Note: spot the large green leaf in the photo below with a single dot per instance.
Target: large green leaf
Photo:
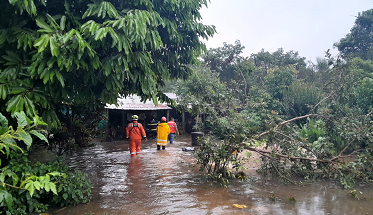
(21, 118)
(39, 135)
(6, 197)
(12, 58)
(3, 91)
(42, 42)
(30, 107)
(15, 104)
(4, 124)
(62, 22)
(54, 47)
(43, 25)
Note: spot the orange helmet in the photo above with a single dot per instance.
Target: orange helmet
(163, 119)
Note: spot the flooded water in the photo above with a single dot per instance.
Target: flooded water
(168, 182)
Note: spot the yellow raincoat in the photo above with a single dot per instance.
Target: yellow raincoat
(163, 130)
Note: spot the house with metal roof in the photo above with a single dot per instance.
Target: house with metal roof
(120, 115)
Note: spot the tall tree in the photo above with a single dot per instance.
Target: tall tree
(90, 51)
(232, 68)
(224, 60)
(265, 61)
(359, 42)
(279, 58)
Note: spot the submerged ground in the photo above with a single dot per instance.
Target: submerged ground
(168, 182)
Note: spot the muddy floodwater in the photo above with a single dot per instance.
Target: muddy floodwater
(168, 182)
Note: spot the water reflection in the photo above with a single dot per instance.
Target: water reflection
(166, 182)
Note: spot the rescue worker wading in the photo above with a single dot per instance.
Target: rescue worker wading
(162, 133)
(152, 126)
(173, 130)
(135, 132)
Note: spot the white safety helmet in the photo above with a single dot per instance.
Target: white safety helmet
(135, 118)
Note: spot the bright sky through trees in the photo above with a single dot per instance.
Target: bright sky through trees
(309, 27)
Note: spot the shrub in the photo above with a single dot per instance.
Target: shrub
(41, 190)
(74, 189)
(217, 159)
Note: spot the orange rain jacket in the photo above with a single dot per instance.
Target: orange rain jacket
(163, 130)
(135, 131)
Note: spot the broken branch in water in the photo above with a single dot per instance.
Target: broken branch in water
(286, 156)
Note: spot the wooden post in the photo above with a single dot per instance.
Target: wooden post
(168, 115)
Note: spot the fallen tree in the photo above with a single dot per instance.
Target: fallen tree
(289, 152)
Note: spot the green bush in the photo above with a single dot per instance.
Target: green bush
(217, 158)
(76, 187)
(300, 97)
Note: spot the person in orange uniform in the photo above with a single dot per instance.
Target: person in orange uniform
(162, 133)
(135, 132)
(173, 130)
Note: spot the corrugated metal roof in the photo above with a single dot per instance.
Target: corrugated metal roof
(171, 95)
(134, 103)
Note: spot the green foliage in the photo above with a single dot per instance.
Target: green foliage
(232, 68)
(89, 52)
(312, 131)
(24, 184)
(365, 95)
(355, 172)
(26, 127)
(236, 127)
(317, 149)
(265, 61)
(74, 189)
(201, 90)
(28, 188)
(272, 196)
(79, 122)
(279, 58)
(300, 98)
(292, 199)
(60, 141)
(279, 80)
(358, 43)
(272, 108)
(313, 137)
(32, 187)
(218, 158)
(224, 59)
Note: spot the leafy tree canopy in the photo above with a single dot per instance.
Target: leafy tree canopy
(79, 52)
(359, 42)
(279, 58)
(233, 69)
(222, 57)
(278, 81)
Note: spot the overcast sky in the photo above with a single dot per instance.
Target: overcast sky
(307, 26)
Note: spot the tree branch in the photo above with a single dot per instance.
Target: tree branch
(345, 148)
(322, 100)
(282, 176)
(288, 157)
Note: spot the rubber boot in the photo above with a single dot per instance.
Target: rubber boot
(158, 147)
(163, 147)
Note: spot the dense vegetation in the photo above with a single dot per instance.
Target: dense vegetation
(63, 60)
(304, 119)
